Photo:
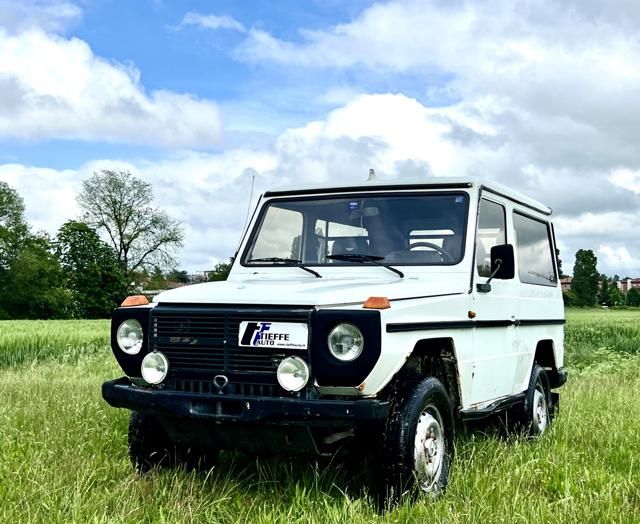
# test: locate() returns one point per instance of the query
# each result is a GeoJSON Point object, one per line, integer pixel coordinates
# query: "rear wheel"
{"type": "Point", "coordinates": [417, 443]}
{"type": "Point", "coordinates": [537, 410]}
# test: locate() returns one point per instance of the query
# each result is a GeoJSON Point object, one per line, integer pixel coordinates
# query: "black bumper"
{"type": "Point", "coordinates": [122, 394]}
{"type": "Point", "coordinates": [558, 378]}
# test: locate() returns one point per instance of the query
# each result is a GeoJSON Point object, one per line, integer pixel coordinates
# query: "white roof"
{"type": "Point", "coordinates": [400, 183]}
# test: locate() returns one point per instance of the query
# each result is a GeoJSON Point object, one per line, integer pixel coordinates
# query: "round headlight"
{"type": "Point", "coordinates": [155, 367]}
{"type": "Point", "coordinates": [130, 336]}
{"type": "Point", "coordinates": [346, 342]}
{"type": "Point", "coordinates": [293, 374]}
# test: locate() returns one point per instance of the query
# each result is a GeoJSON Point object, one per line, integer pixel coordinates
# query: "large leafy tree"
{"type": "Point", "coordinates": [633, 297]}
{"type": "Point", "coordinates": [603, 292]}
{"type": "Point", "coordinates": [585, 278]}
{"type": "Point", "coordinates": [13, 227]}
{"type": "Point", "coordinates": [35, 284]}
{"type": "Point", "coordinates": [92, 271]}
{"type": "Point", "coordinates": [121, 206]}
{"type": "Point", "coordinates": [220, 272]}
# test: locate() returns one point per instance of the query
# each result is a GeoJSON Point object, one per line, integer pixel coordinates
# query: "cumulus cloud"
{"type": "Point", "coordinates": [618, 257]}
{"type": "Point", "coordinates": [56, 87]}
{"type": "Point", "coordinates": [211, 22]}
{"type": "Point", "coordinates": [540, 95]}
{"type": "Point", "coordinates": [50, 15]}
{"type": "Point", "coordinates": [396, 135]}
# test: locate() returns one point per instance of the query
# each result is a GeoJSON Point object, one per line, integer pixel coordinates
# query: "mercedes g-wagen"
{"type": "Point", "coordinates": [380, 313]}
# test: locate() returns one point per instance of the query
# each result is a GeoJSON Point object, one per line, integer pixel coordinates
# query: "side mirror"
{"type": "Point", "coordinates": [503, 266]}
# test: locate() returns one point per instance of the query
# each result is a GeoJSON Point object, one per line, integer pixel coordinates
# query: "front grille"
{"type": "Point", "coordinates": [208, 387]}
{"type": "Point", "coordinates": [202, 342]}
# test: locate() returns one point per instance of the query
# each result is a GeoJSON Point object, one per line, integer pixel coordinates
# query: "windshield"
{"type": "Point", "coordinates": [412, 229]}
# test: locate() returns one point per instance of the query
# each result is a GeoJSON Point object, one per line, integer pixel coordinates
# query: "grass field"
{"type": "Point", "coordinates": [63, 451]}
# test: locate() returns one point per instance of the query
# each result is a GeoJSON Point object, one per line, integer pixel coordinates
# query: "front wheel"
{"type": "Point", "coordinates": [150, 447]}
{"type": "Point", "coordinates": [417, 443]}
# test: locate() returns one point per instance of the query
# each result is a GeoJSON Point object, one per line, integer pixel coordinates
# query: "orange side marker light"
{"type": "Point", "coordinates": [377, 303]}
{"type": "Point", "coordinates": [135, 300]}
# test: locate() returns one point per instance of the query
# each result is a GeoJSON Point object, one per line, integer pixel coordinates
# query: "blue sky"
{"type": "Point", "coordinates": [195, 96]}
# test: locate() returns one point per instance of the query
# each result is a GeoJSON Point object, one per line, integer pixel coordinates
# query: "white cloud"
{"type": "Point", "coordinates": [626, 178]}
{"type": "Point", "coordinates": [49, 15]}
{"type": "Point", "coordinates": [618, 257]}
{"type": "Point", "coordinates": [54, 87]}
{"type": "Point", "coordinates": [394, 134]}
{"type": "Point", "coordinates": [211, 22]}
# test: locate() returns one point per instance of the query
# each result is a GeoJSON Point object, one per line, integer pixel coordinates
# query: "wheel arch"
{"type": "Point", "coordinates": [545, 357]}
{"type": "Point", "coordinates": [435, 357]}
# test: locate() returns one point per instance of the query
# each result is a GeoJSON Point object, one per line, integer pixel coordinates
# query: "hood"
{"type": "Point", "coordinates": [307, 291]}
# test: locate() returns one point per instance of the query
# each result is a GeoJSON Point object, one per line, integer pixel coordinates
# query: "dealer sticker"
{"type": "Point", "coordinates": [283, 335]}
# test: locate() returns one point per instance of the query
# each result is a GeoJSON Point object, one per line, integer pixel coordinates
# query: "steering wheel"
{"type": "Point", "coordinates": [444, 254]}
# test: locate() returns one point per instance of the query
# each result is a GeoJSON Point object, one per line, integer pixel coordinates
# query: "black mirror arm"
{"type": "Point", "coordinates": [486, 287]}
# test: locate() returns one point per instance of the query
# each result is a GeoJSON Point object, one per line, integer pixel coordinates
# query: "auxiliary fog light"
{"type": "Point", "coordinates": [129, 336]}
{"type": "Point", "coordinates": [155, 367]}
{"type": "Point", "coordinates": [293, 374]}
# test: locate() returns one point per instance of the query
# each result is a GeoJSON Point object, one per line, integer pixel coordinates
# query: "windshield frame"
{"type": "Point", "coordinates": [258, 223]}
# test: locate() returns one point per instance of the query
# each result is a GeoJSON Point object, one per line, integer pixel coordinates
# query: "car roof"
{"type": "Point", "coordinates": [415, 183]}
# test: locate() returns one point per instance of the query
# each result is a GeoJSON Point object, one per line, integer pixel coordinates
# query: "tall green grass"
{"type": "Point", "coordinates": [63, 454]}
{"type": "Point", "coordinates": [31, 341]}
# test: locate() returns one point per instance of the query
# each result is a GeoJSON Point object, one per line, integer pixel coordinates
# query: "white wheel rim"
{"type": "Point", "coordinates": [540, 411]}
{"type": "Point", "coordinates": [429, 450]}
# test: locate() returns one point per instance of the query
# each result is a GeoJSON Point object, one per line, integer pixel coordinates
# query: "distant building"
{"type": "Point", "coordinates": [566, 283]}
{"type": "Point", "coordinates": [628, 283]}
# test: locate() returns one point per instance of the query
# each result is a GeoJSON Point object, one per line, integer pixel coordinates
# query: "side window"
{"type": "Point", "coordinates": [491, 232]}
{"type": "Point", "coordinates": [533, 243]}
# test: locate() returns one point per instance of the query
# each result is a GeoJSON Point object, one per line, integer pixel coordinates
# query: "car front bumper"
{"type": "Point", "coordinates": [121, 393]}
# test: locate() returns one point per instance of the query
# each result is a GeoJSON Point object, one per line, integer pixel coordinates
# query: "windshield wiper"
{"type": "Point", "coordinates": [358, 257]}
{"type": "Point", "coordinates": [289, 261]}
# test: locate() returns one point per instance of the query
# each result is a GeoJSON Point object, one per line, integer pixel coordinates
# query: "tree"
{"type": "Point", "coordinates": [35, 287]}
{"type": "Point", "coordinates": [13, 226]}
{"type": "Point", "coordinates": [220, 272]}
{"type": "Point", "coordinates": [120, 205]}
{"type": "Point", "coordinates": [633, 297]}
{"type": "Point", "coordinates": [603, 292]}
{"type": "Point", "coordinates": [569, 298]}
{"type": "Point", "coordinates": [93, 273]}
{"type": "Point", "coordinates": [585, 278]}
{"type": "Point", "coordinates": [180, 276]}
{"type": "Point", "coordinates": [616, 298]}
{"type": "Point", "coordinates": [562, 275]}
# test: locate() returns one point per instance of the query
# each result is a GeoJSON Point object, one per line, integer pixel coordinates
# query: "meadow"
{"type": "Point", "coordinates": [63, 450]}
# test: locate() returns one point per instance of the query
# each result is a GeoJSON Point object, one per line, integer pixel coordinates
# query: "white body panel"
{"type": "Point", "coordinates": [493, 362]}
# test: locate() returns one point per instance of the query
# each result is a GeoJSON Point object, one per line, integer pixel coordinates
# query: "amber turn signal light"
{"type": "Point", "coordinates": [135, 300]}
{"type": "Point", "coordinates": [377, 303]}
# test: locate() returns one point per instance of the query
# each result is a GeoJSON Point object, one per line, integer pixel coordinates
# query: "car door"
{"type": "Point", "coordinates": [494, 346]}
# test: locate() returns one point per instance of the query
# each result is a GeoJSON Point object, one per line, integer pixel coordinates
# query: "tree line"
{"type": "Point", "coordinates": [120, 243]}
{"type": "Point", "coordinates": [589, 287]}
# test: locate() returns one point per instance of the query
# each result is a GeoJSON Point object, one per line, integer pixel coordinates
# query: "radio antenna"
{"type": "Point", "coordinates": [253, 181]}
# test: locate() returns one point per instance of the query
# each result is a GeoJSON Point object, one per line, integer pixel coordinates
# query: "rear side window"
{"type": "Point", "coordinates": [491, 232]}
{"type": "Point", "coordinates": [533, 243]}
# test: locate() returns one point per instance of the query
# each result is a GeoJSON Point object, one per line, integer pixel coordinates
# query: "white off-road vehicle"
{"type": "Point", "coordinates": [380, 313]}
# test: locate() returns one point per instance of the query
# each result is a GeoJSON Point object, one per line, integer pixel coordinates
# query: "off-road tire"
{"type": "Point", "coordinates": [537, 411]}
{"type": "Point", "coordinates": [398, 476]}
{"type": "Point", "coordinates": [149, 445]}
